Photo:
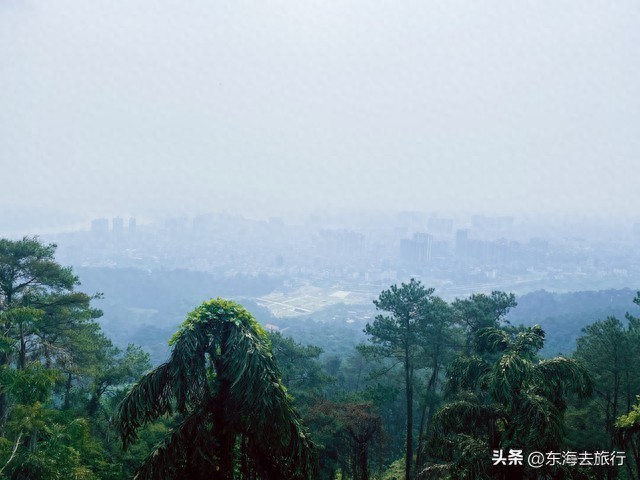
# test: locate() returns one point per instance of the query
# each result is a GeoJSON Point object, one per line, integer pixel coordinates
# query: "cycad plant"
{"type": "Point", "coordinates": [235, 419]}
{"type": "Point", "coordinates": [503, 397]}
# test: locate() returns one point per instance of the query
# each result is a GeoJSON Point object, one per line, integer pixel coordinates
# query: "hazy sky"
{"type": "Point", "coordinates": [266, 107]}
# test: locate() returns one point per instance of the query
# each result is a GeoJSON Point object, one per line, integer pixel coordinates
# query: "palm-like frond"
{"type": "Point", "coordinates": [469, 460]}
{"type": "Point", "coordinates": [491, 340]}
{"type": "Point", "coordinates": [562, 375]}
{"type": "Point", "coordinates": [505, 397]}
{"type": "Point", "coordinates": [508, 376]}
{"type": "Point", "coordinates": [466, 373]}
{"type": "Point", "coordinates": [435, 471]}
{"type": "Point", "coordinates": [221, 358]}
{"type": "Point", "coordinates": [465, 415]}
{"type": "Point", "coordinates": [151, 398]}
{"type": "Point", "coordinates": [535, 422]}
{"type": "Point", "coordinates": [172, 454]}
{"type": "Point", "coordinates": [529, 341]}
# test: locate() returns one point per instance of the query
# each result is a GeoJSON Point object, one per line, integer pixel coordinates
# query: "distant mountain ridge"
{"type": "Point", "coordinates": [146, 307]}
{"type": "Point", "coordinates": [564, 315]}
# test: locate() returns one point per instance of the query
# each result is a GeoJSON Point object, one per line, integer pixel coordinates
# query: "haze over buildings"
{"type": "Point", "coordinates": [280, 107]}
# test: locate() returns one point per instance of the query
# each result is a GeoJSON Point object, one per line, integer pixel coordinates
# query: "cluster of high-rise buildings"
{"type": "Point", "coordinates": [327, 251]}
{"type": "Point", "coordinates": [100, 226]}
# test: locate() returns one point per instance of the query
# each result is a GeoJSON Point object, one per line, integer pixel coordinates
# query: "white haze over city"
{"type": "Point", "coordinates": [114, 107]}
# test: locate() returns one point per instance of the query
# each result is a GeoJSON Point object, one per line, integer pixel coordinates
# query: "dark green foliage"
{"type": "Point", "coordinates": [218, 408]}
{"type": "Point", "coordinates": [481, 311]}
{"type": "Point", "coordinates": [351, 428]}
{"type": "Point", "coordinates": [117, 368]}
{"type": "Point", "coordinates": [610, 350]}
{"type": "Point", "coordinates": [414, 335]}
{"type": "Point", "coordinates": [611, 353]}
{"type": "Point", "coordinates": [54, 445]}
{"type": "Point", "coordinates": [299, 367]}
{"type": "Point", "coordinates": [55, 367]}
{"type": "Point", "coordinates": [501, 397]}
{"type": "Point", "coordinates": [39, 310]}
{"type": "Point", "coordinates": [222, 380]}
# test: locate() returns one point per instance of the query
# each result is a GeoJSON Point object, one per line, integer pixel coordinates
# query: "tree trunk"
{"type": "Point", "coordinates": [244, 458]}
{"type": "Point", "coordinates": [225, 439]}
{"type": "Point", "coordinates": [363, 460]}
{"type": "Point", "coordinates": [224, 469]}
{"type": "Point", "coordinates": [636, 455]}
{"type": "Point", "coordinates": [5, 359]}
{"type": "Point", "coordinates": [425, 419]}
{"type": "Point", "coordinates": [421, 429]}
{"type": "Point", "coordinates": [67, 393]}
{"type": "Point", "coordinates": [408, 371]}
{"type": "Point", "coordinates": [22, 354]}
{"type": "Point", "coordinates": [4, 412]}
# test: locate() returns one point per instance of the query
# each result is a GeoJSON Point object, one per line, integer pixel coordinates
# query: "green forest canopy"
{"type": "Point", "coordinates": [449, 382]}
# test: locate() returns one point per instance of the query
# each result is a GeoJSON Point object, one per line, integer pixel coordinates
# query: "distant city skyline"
{"type": "Point", "coordinates": [24, 221]}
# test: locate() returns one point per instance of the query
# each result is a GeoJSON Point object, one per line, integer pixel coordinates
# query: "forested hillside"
{"type": "Point", "coordinates": [430, 389]}
{"type": "Point", "coordinates": [563, 316]}
{"type": "Point", "coordinates": [146, 307]}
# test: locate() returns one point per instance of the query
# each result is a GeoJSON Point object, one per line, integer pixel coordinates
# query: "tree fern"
{"type": "Point", "coordinates": [223, 382]}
